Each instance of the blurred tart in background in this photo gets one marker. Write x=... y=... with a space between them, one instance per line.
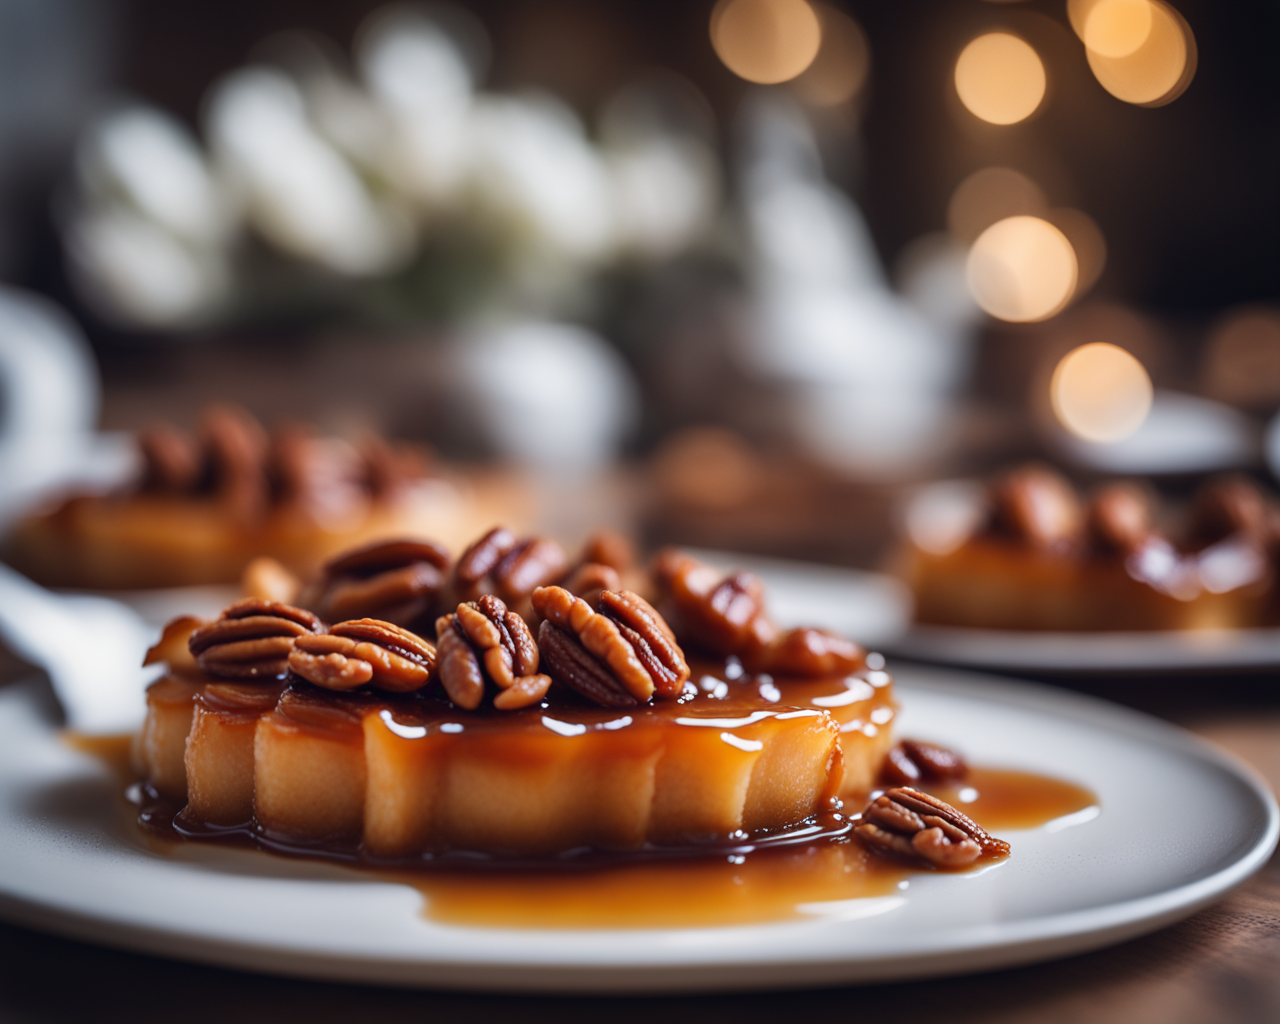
x=1028 y=552
x=208 y=504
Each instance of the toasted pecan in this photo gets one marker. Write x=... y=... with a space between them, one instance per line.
x=625 y=653
x=500 y=564
x=398 y=581
x=911 y=825
x=483 y=640
x=364 y=652
x=251 y=639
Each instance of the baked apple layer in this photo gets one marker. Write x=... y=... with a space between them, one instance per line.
x=406 y=777
x=992 y=584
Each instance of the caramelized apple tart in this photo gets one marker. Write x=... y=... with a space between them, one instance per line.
x=579 y=724
x=204 y=506
x=1037 y=556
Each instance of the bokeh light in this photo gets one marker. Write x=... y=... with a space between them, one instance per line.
x=1116 y=28
x=1000 y=78
x=765 y=41
x=989 y=195
x=1022 y=269
x=1158 y=70
x=840 y=70
x=1100 y=392
x=1242 y=358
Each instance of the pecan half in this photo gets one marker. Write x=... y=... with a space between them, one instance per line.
x=364 y=651
x=1036 y=505
x=513 y=569
x=1120 y=518
x=483 y=640
x=171 y=458
x=726 y=615
x=389 y=470
x=909 y=824
x=912 y=761
x=589 y=579
x=807 y=652
x=397 y=581
x=235 y=448
x=1225 y=506
x=720 y=615
x=606 y=547
x=251 y=640
x=621 y=655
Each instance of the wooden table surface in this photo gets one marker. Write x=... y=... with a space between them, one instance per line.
x=1223 y=964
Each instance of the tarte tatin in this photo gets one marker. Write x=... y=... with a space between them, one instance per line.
x=517 y=704
x=1041 y=558
x=205 y=505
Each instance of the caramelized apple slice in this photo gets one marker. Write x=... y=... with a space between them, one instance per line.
x=162 y=743
x=309 y=768
x=220 y=751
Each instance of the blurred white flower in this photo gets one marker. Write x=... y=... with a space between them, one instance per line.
x=655 y=133
x=149 y=161
x=421 y=78
x=537 y=176
x=548 y=395
x=296 y=189
x=136 y=271
x=667 y=191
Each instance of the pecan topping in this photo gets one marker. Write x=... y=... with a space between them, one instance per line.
x=235 y=448
x=1036 y=505
x=726 y=615
x=912 y=761
x=251 y=640
x=589 y=579
x=1120 y=518
x=364 y=651
x=1226 y=506
x=906 y=823
x=605 y=547
x=499 y=564
x=484 y=640
x=390 y=469
x=171 y=458
x=397 y=581
x=716 y=614
x=808 y=652
x=619 y=656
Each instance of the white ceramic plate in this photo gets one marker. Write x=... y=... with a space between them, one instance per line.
x=1180 y=824
x=1207 y=650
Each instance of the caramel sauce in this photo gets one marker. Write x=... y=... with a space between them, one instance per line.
x=767 y=885
x=764 y=885
x=998 y=799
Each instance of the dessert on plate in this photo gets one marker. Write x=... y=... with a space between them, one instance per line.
x=1039 y=557
x=205 y=505
x=525 y=706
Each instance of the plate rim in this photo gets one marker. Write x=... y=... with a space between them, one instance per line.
x=1180 y=652
x=1021 y=942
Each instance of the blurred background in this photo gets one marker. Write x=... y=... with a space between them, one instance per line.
x=738 y=274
